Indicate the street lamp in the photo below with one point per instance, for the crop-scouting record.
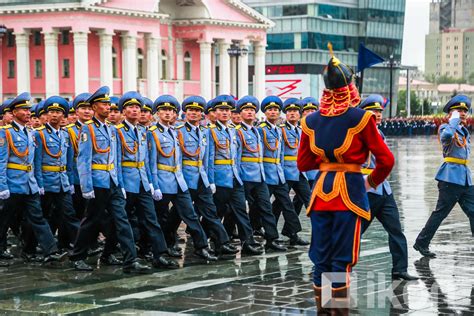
(391, 63)
(236, 51)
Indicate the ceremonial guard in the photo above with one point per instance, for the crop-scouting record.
(382, 203)
(72, 116)
(250, 166)
(193, 140)
(454, 177)
(210, 113)
(273, 157)
(224, 174)
(18, 186)
(5, 113)
(34, 120)
(134, 176)
(84, 113)
(40, 113)
(295, 179)
(115, 116)
(146, 117)
(51, 162)
(97, 166)
(337, 140)
(168, 181)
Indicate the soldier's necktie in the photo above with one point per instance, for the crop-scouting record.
(135, 131)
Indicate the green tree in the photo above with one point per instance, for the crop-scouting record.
(415, 103)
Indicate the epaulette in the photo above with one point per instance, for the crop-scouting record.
(238, 126)
(119, 125)
(7, 126)
(282, 125)
(40, 128)
(263, 124)
(179, 126)
(152, 128)
(70, 125)
(212, 126)
(89, 122)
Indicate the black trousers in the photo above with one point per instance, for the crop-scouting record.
(205, 207)
(183, 210)
(111, 199)
(79, 203)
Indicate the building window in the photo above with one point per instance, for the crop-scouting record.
(10, 39)
(37, 38)
(11, 69)
(38, 68)
(66, 72)
(114, 63)
(164, 64)
(447, 55)
(281, 41)
(455, 47)
(65, 37)
(455, 64)
(290, 10)
(187, 66)
(140, 63)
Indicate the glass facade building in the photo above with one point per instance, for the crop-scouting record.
(304, 28)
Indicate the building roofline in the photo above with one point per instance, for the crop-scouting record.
(267, 23)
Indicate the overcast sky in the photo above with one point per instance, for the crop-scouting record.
(416, 27)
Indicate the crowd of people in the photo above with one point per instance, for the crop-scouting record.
(416, 125)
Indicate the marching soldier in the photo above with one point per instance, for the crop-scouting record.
(193, 140)
(134, 176)
(273, 156)
(235, 118)
(210, 113)
(41, 114)
(72, 116)
(51, 161)
(146, 117)
(224, 174)
(97, 166)
(383, 205)
(454, 177)
(7, 116)
(337, 140)
(34, 120)
(18, 186)
(250, 166)
(296, 180)
(84, 113)
(115, 116)
(168, 181)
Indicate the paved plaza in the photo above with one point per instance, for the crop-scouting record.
(275, 283)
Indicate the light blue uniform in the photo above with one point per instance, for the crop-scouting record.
(73, 132)
(273, 154)
(222, 168)
(11, 178)
(456, 143)
(293, 134)
(52, 153)
(132, 149)
(194, 139)
(166, 171)
(250, 146)
(91, 163)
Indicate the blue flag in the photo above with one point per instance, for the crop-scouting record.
(367, 58)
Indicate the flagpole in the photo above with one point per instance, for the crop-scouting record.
(361, 82)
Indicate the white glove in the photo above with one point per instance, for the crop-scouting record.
(454, 115)
(88, 195)
(41, 191)
(152, 189)
(124, 193)
(4, 194)
(213, 188)
(157, 195)
(72, 190)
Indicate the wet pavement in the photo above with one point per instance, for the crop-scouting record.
(276, 283)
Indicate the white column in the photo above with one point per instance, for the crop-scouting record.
(259, 79)
(205, 59)
(233, 75)
(129, 62)
(171, 74)
(243, 69)
(106, 65)
(153, 54)
(224, 68)
(22, 61)
(179, 69)
(1, 72)
(51, 60)
(81, 62)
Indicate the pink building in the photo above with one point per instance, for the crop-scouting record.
(66, 47)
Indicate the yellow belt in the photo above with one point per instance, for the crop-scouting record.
(366, 171)
(103, 167)
(224, 162)
(133, 164)
(193, 163)
(290, 158)
(17, 166)
(271, 160)
(251, 159)
(167, 168)
(458, 161)
(340, 167)
(54, 168)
